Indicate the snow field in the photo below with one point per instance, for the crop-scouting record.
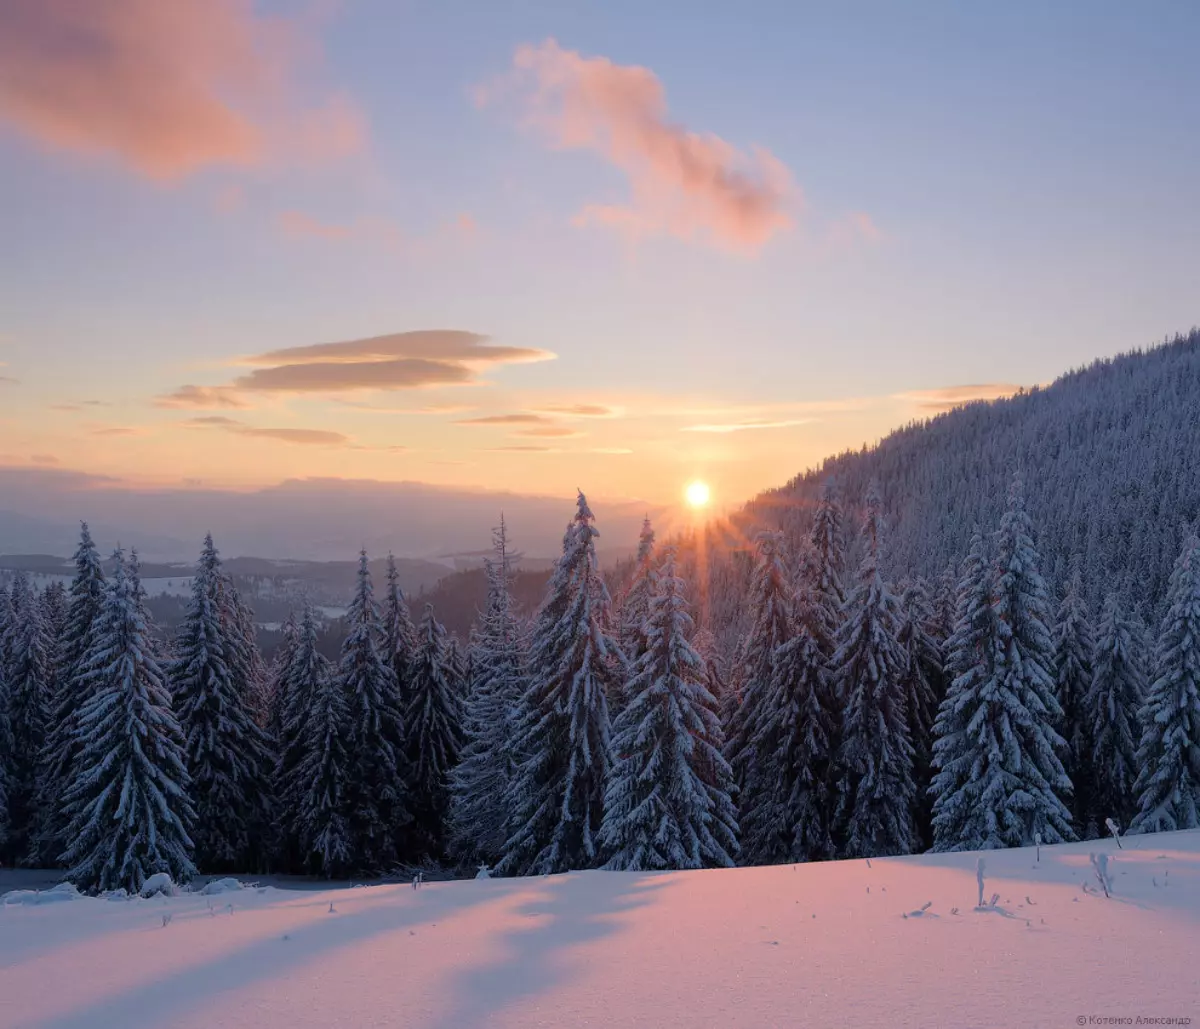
(829, 944)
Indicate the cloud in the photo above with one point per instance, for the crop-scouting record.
(308, 437)
(683, 183)
(947, 397)
(402, 360)
(507, 419)
(118, 430)
(579, 410)
(611, 450)
(44, 459)
(8, 380)
(298, 225)
(856, 227)
(201, 396)
(169, 88)
(549, 432)
(522, 450)
(229, 199)
(725, 427)
(66, 407)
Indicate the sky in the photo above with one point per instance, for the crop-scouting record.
(534, 246)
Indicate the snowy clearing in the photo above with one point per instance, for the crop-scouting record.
(885, 943)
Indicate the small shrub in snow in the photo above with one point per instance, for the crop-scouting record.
(159, 882)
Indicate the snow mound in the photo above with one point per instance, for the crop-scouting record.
(159, 882)
(223, 886)
(27, 898)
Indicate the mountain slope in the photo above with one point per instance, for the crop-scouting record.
(1110, 455)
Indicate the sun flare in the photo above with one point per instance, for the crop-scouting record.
(697, 494)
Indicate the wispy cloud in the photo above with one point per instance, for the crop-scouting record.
(579, 410)
(947, 397)
(47, 460)
(685, 184)
(517, 449)
(549, 432)
(747, 426)
(201, 397)
(8, 380)
(298, 225)
(169, 88)
(118, 430)
(305, 437)
(521, 418)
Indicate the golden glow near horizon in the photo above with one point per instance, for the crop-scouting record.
(697, 494)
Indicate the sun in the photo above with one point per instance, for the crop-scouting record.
(697, 494)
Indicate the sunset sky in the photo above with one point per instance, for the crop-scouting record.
(547, 244)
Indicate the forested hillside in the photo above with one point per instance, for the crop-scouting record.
(1110, 457)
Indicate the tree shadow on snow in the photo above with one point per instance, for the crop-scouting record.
(572, 909)
(146, 1005)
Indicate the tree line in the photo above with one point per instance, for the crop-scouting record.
(856, 717)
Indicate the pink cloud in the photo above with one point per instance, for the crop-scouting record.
(856, 227)
(298, 225)
(683, 183)
(167, 88)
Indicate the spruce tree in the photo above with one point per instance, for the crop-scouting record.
(375, 735)
(29, 706)
(6, 742)
(635, 606)
(228, 758)
(479, 784)
(128, 806)
(1168, 757)
(562, 727)
(300, 682)
(875, 761)
(1073, 649)
(667, 803)
(318, 791)
(787, 814)
(922, 678)
(400, 635)
(770, 628)
(1000, 781)
(433, 721)
(85, 600)
(1111, 707)
(282, 659)
(827, 561)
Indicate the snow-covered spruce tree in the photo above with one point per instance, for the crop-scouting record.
(85, 599)
(770, 627)
(1168, 757)
(876, 757)
(280, 662)
(1111, 707)
(1000, 781)
(922, 678)
(246, 665)
(1073, 649)
(318, 791)
(399, 633)
(228, 758)
(433, 721)
(300, 681)
(375, 735)
(128, 806)
(788, 812)
(635, 605)
(6, 747)
(30, 668)
(561, 733)
(479, 783)
(667, 803)
(827, 561)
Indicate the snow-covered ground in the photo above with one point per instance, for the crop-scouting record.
(896, 942)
